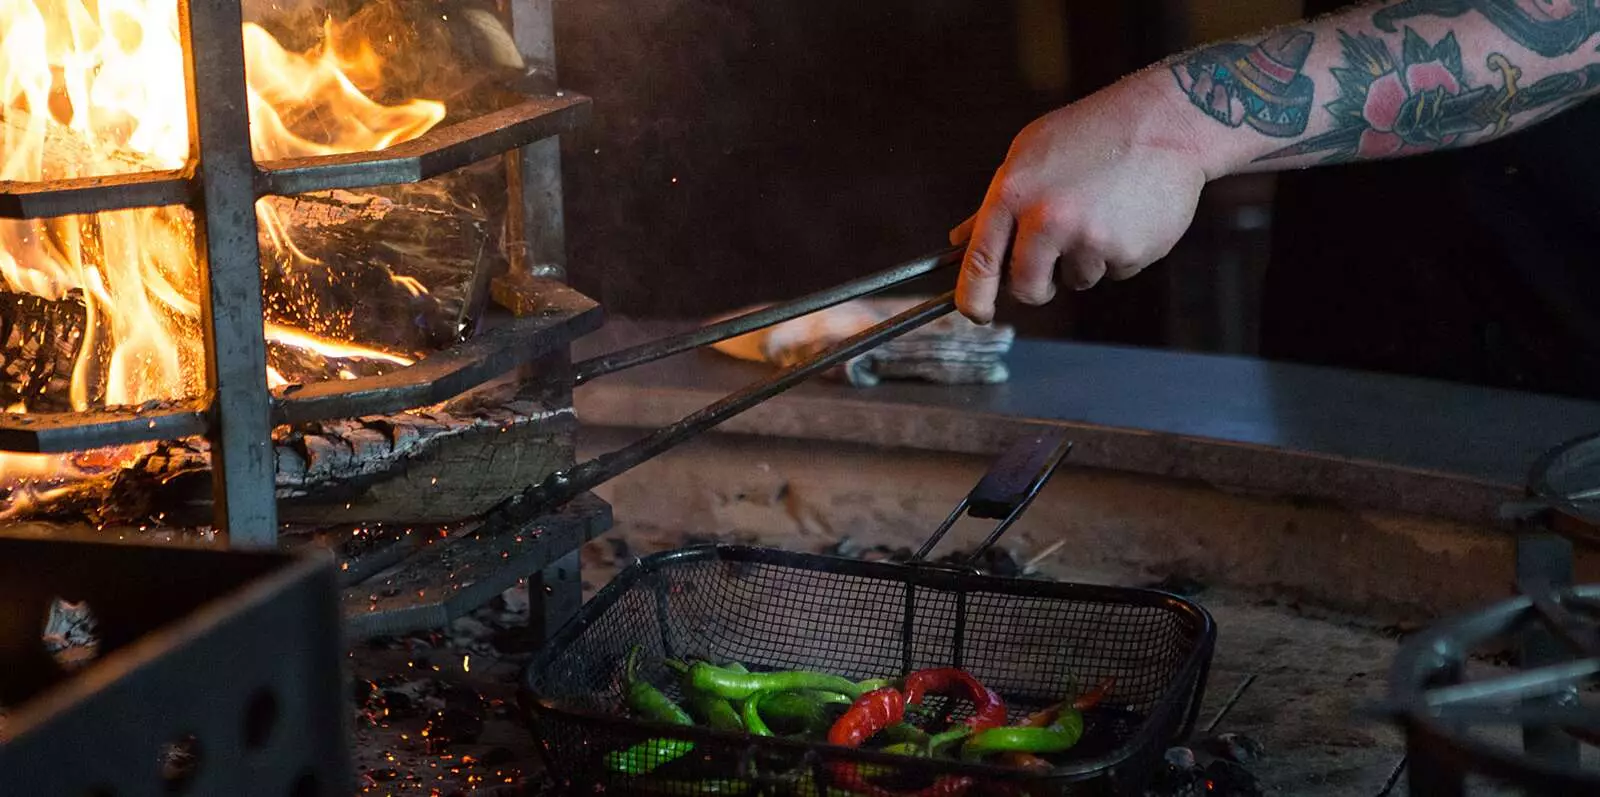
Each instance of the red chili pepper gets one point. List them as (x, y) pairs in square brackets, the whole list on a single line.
[(871, 713), (989, 710), (1092, 698)]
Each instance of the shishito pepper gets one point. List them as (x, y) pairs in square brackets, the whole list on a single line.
[(716, 712), (1047, 717), (731, 685), (790, 712), (1059, 736), (652, 704)]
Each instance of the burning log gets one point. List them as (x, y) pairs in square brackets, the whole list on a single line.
[(431, 466), (64, 146), (387, 269), (39, 340)]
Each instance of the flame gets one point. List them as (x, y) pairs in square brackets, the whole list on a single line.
[(95, 87)]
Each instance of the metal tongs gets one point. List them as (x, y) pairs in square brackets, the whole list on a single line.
[(562, 486), (1006, 490)]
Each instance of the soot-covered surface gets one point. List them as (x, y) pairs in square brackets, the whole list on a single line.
[(1293, 684)]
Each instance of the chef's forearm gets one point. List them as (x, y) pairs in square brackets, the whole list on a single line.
[(1381, 80)]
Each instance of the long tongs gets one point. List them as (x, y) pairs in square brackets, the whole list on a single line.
[(562, 486), (1007, 489)]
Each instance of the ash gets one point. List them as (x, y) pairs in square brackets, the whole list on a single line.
[(1281, 711), (435, 713)]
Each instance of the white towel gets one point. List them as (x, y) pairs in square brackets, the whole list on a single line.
[(948, 351)]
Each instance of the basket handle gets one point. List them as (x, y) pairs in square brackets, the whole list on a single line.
[(1010, 486)]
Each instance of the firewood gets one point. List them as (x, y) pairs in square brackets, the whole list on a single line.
[(39, 340), (434, 466), (67, 153), (373, 251)]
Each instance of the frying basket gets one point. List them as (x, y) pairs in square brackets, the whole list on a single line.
[(1033, 641)]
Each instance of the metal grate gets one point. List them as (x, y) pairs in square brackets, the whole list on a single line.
[(1033, 641), (221, 184)]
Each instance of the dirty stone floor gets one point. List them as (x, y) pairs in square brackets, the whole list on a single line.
[(1283, 712)]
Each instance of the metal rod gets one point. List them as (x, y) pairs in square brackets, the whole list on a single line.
[(1058, 456), (1534, 682), (944, 528), (470, 317), (535, 215), (564, 486), (1544, 564), (1233, 700), (243, 468), (760, 319)]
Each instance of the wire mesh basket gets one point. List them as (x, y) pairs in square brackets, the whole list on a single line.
[(1034, 642)]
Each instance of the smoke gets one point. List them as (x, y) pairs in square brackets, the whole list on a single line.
[(748, 152)]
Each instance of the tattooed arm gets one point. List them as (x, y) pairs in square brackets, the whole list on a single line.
[(1108, 185)]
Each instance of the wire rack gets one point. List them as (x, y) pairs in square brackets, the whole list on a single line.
[(1035, 642)]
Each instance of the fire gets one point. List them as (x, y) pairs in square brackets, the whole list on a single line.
[(95, 87)]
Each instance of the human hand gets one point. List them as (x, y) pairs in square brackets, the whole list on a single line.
[(1103, 187)]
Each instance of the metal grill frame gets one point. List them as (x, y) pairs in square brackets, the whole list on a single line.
[(222, 183), (241, 649)]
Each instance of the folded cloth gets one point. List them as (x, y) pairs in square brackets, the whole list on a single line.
[(948, 351)]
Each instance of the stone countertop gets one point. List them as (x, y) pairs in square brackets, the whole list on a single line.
[(1364, 440)]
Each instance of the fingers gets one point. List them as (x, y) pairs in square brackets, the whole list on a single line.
[(963, 231), (1033, 265), (980, 267), (1085, 269)]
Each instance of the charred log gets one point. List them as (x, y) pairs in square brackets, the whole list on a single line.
[(433, 466), (387, 269), (39, 341)]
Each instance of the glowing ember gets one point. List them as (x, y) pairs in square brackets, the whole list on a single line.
[(96, 88)]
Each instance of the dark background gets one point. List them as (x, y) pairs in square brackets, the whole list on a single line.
[(755, 151)]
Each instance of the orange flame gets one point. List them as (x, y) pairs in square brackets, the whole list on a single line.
[(95, 87)]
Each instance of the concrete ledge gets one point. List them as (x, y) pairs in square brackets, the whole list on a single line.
[(1357, 440), (1092, 526)]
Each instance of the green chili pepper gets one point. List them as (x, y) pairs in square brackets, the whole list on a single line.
[(751, 714), (654, 705), (789, 712), (911, 749), (939, 741), (646, 756), (786, 709), (1055, 738), (876, 683), (647, 701), (732, 685), (714, 711), (903, 732)]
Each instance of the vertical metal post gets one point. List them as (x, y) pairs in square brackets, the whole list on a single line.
[(537, 246), (1435, 771), (242, 463), (1543, 561), (535, 220), (555, 594)]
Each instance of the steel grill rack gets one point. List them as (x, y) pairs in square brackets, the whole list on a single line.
[(1033, 641), (1524, 727), (1534, 726)]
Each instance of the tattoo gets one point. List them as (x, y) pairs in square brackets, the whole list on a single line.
[(1421, 101), (1547, 27), (1261, 86)]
